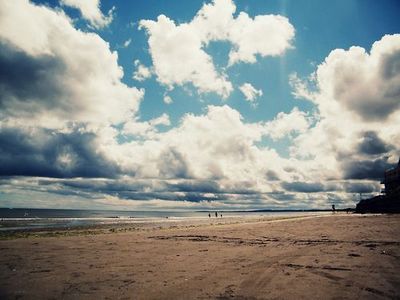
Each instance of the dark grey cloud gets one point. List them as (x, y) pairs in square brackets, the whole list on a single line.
[(390, 68), (282, 196), (334, 199), (106, 185), (172, 164), (138, 189), (169, 196), (46, 153), (211, 186), (371, 144), (303, 187), (148, 195), (366, 169), (126, 194), (204, 186), (28, 84), (272, 176), (359, 187), (92, 187), (191, 190), (389, 71), (330, 187)]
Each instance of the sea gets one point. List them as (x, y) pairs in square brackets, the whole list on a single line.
[(12, 219)]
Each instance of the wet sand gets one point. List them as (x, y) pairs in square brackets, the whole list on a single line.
[(330, 257)]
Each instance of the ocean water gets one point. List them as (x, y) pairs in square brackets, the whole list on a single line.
[(31, 219), (74, 213)]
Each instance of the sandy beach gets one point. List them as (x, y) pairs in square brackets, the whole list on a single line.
[(328, 257)]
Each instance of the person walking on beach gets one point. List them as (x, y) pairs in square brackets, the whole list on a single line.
[(216, 214), (209, 215), (333, 208)]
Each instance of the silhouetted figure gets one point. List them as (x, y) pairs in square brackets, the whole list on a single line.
[(220, 215), (216, 214), (333, 208), (209, 215)]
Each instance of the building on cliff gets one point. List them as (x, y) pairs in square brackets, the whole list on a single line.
[(392, 181), (389, 201)]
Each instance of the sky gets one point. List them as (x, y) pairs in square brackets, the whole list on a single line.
[(197, 105)]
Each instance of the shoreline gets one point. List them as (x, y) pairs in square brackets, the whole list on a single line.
[(9, 230)]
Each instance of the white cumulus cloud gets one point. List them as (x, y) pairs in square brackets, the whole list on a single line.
[(216, 145), (284, 124), (178, 50), (142, 72), (90, 10), (178, 57), (167, 99), (68, 75), (127, 43), (357, 97), (147, 128), (250, 92)]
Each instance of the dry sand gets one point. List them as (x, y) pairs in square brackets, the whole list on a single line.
[(330, 257)]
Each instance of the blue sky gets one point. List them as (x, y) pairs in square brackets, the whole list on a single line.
[(275, 104), (320, 27)]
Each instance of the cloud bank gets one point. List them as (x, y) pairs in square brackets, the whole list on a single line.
[(71, 129)]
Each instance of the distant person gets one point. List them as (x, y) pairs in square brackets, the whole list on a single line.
[(216, 214), (209, 215), (220, 215), (333, 208)]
